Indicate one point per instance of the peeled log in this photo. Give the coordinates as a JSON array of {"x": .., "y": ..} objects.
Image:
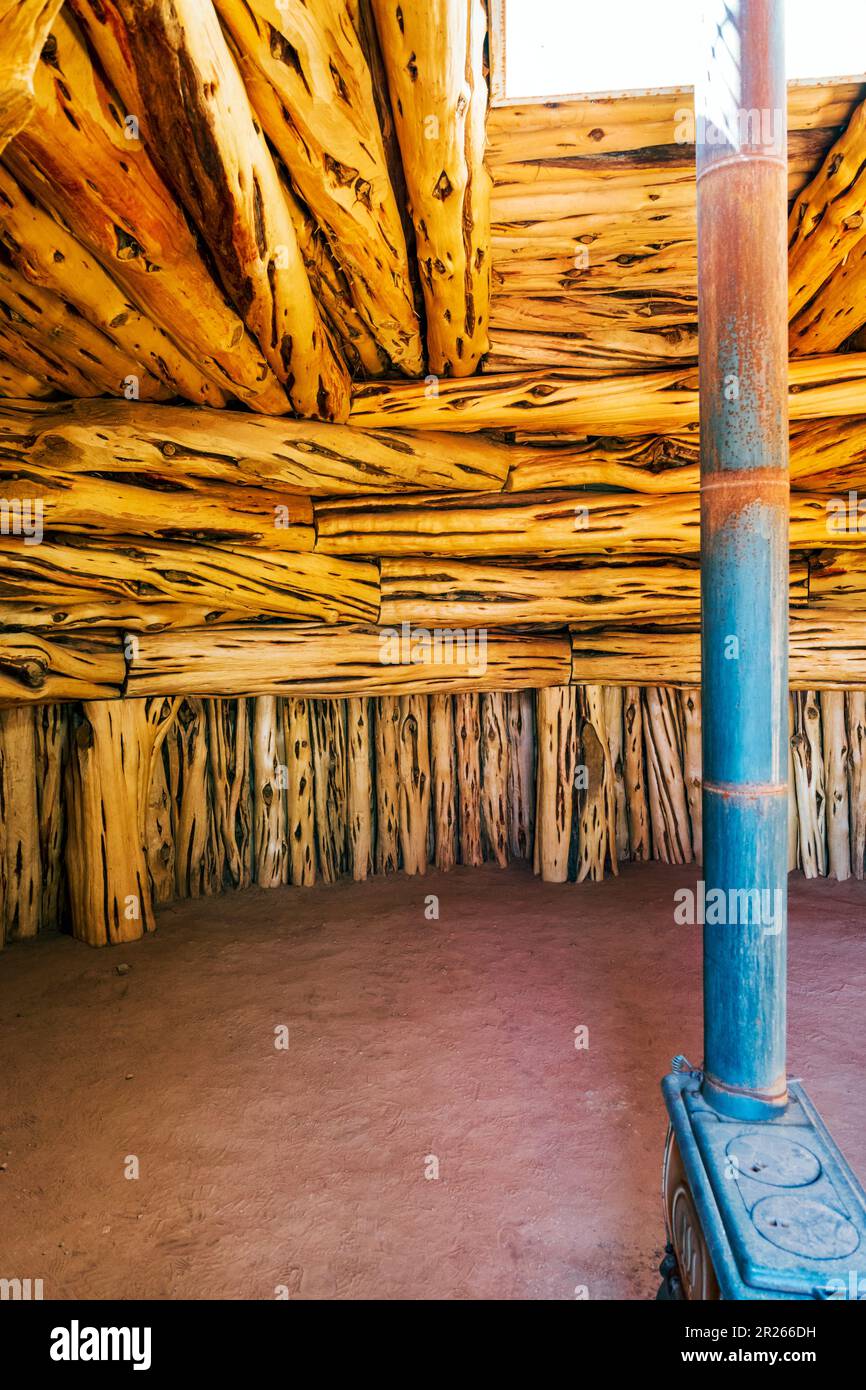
[
  {"x": 75, "y": 157},
  {"x": 194, "y": 857},
  {"x": 320, "y": 661},
  {"x": 19, "y": 811},
  {"x": 228, "y": 449},
  {"x": 855, "y": 719},
  {"x": 596, "y": 804},
  {"x": 442, "y": 773},
  {"x": 806, "y": 746},
  {"x": 328, "y": 727},
  {"x": 635, "y": 775},
  {"x": 300, "y": 819},
  {"x": 51, "y": 729},
  {"x": 825, "y": 228},
  {"x": 836, "y": 782},
  {"x": 112, "y": 749},
  {"x": 494, "y": 775},
  {"x": 359, "y": 788},
  {"x": 308, "y": 80},
  {"x": 443, "y": 591},
  {"x": 690, "y": 711},
  {"x": 613, "y": 701},
  {"x": 255, "y": 583},
  {"x": 434, "y": 58},
  {"x": 159, "y": 835},
  {"x": 555, "y": 722},
  {"x": 35, "y": 670},
  {"x": 467, "y": 730},
  {"x": 228, "y": 738},
  {"x": 671, "y": 832},
  {"x": 387, "y": 785},
  {"x": 521, "y": 772},
  {"x": 413, "y": 752},
  {"x": 537, "y": 524},
  {"x": 661, "y": 402},
  {"x": 49, "y": 256},
  {"x": 268, "y": 793},
  {"x": 24, "y": 27}
]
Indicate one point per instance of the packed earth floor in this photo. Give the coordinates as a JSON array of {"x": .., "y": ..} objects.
[{"x": 334, "y": 1092}]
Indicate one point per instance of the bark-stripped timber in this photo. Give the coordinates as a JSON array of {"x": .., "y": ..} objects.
[
  {"x": 855, "y": 720},
  {"x": 309, "y": 83},
  {"x": 51, "y": 730},
  {"x": 40, "y": 317},
  {"x": 543, "y": 523},
  {"x": 828, "y": 453},
  {"x": 836, "y": 782},
  {"x": 17, "y": 382},
  {"x": 635, "y": 774},
  {"x": 321, "y": 661},
  {"x": 228, "y": 739},
  {"x": 24, "y": 27},
  {"x": 793, "y": 819},
  {"x": 521, "y": 772},
  {"x": 300, "y": 819},
  {"x": 61, "y": 610},
  {"x": 612, "y": 696},
  {"x": 194, "y": 858},
  {"x": 261, "y": 583},
  {"x": 328, "y": 728},
  {"x": 806, "y": 746},
  {"x": 442, "y": 591},
  {"x": 49, "y": 257},
  {"x": 90, "y": 504},
  {"x": 75, "y": 157},
  {"x": 837, "y": 580},
  {"x": 159, "y": 834},
  {"x": 43, "y": 360},
  {"x": 200, "y": 129},
  {"x": 612, "y": 350},
  {"x": 442, "y": 776},
  {"x": 22, "y": 857},
  {"x": 333, "y": 293},
  {"x": 669, "y": 815},
  {"x": 661, "y": 402},
  {"x": 825, "y": 228},
  {"x": 413, "y": 764},
  {"x": 434, "y": 58},
  {"x": 467, "y": 733},
  {"x": 665, "y": 463},
  {"x": 38, "y": 670},
  {"x": 827, "y": 652},
  {"x": 595, "y": 791},
  {"x": 494, "y": 775},
  {"x": 556, "y": 734},
  {"x": 690, "y": 713},
  {"x": 270, "y": 848},
  {"x": 112, "y": 748},
  {"x": 224, "y": 448},
  {"x": 387, "y": 722},
  {"x": 359, "y": 788}
]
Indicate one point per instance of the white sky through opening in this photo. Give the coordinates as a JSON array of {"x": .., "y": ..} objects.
[{"x": 563, "y": 47}]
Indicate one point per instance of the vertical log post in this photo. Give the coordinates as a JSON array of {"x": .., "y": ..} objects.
[
  {"x": 467, "y": 729},
  {"x": 414, "y": 773},
  {"x": 690, "y": 710},
  {"x": 442, "y": 759},
  {"x": 300, "y": 817},
  {"x": 359, "y": 788},
  {"x": 855, "y": 714},
  {"x": 19, "y": 810},
  {"x": 836, "y": 783},
  {"x": 521, "y": 772},
  {"x": 52, "y": 746},
  {"x": 387, "y": 785},
  {"x": 555, "y": 722},
  {"x": 494, "y": 775},
  {"x": 328, "y": 727},
  {"x": 635, "y": 775},
  {"x": 269, "y": 803}
]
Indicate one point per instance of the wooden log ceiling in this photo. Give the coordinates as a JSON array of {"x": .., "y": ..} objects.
[{"x": 300, "y": 341}]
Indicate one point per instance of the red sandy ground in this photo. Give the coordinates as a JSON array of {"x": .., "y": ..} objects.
[{"x": 407, "y": 1038}]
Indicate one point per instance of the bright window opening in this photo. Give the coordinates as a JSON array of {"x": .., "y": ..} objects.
[{"x": 567, "y": 47}]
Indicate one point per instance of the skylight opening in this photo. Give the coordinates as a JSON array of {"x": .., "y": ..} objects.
[{"x": 544, "y": 49}]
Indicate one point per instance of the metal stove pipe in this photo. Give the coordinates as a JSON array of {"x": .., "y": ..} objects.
[{"x": 740, "y": 108}]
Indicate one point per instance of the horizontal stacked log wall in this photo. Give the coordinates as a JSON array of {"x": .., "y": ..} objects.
[{"x": 112, "y": 810}]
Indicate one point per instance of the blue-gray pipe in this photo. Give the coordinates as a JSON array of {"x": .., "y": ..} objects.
[{"x": 740, "y": 107}]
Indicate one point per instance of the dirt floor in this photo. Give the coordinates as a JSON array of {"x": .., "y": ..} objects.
[{"x": 413, "y": 1044}]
